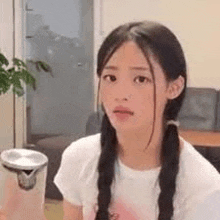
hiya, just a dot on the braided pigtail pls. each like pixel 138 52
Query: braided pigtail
pixel 106 168
pixel 170 154
pixel 168 173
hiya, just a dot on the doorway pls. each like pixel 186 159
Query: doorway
pixel 60 33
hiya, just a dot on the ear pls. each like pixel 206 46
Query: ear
pixel 175 87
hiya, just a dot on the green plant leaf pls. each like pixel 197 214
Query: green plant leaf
pixel 11 71
pixel 4 79
pixel 28 78
pixel 13 77
pixel 18 91
pixel 19 62
pixel 37 65
pixel 3 71
pixel 4 83
pixel 3 60
pixel 15 80
pixel 17 87
pixel 44 66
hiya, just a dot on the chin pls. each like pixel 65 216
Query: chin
pixel 124 127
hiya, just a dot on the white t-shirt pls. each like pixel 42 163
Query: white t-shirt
pixel 135 193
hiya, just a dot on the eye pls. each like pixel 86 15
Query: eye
pixel 142 79
pixel 110 78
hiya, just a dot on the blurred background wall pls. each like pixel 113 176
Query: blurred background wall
pixel 196 24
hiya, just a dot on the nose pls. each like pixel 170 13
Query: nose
pixel 122 92
pixel 121 99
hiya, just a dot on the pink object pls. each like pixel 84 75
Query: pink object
pixel 123 109
pixel 122 116
pixel 123 113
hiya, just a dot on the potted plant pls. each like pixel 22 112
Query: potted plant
pixel 18 75
pixel 12 77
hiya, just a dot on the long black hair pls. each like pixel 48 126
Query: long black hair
pixel 150 37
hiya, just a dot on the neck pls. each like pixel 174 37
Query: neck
pixel 135 151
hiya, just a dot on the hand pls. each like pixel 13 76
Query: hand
pixel 10 198
pixel 3 215
pixel 19 204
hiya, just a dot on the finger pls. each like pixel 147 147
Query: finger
pixel 12 195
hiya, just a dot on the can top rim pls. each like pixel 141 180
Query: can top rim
pixel 23 159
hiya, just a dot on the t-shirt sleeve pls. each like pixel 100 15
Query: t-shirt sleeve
pixel 67 177
pixel 209 208
pixel 204 208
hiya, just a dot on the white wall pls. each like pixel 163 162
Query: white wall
pixel 196 24
pixel 6 101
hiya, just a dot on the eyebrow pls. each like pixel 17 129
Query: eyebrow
pixel 111 67
pixel 132 68
pixel 139 68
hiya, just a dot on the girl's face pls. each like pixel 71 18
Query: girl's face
pixel 127 89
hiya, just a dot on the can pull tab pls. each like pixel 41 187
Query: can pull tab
pixel 27 179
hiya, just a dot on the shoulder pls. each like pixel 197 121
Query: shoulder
pixel 197 176
pixel 193 164
pixel 83 148
pixel 208 208
pixel 81 157
pixel 78 166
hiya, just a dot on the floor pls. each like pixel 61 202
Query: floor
pixel 53 209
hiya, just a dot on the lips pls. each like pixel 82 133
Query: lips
pixel 121 109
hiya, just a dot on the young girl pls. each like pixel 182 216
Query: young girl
pixel 138 167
